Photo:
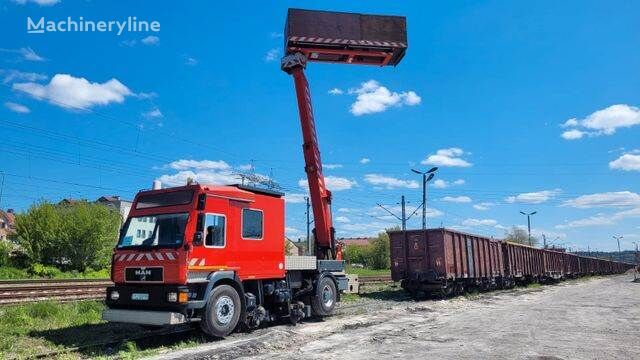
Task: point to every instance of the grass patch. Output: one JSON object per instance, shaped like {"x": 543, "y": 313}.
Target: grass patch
{"x": 74, "y": 330}
{"x": 48, "y": 272}
{"x": 533, "y": 286}
{"x": 366, "y": 271}
{"x": 349, "y": 297}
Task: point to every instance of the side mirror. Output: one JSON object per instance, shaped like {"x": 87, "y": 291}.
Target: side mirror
{"x": 198, "y": 237}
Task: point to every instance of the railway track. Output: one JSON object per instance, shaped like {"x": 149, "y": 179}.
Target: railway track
{"x": 19, "y": 291}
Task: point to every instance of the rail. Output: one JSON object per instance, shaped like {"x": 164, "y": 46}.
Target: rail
{"x": 23, "y": 291}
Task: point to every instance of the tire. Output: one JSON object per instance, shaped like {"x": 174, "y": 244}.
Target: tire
{"x": 326, "y": 297}
{"x": 222, "y": 312}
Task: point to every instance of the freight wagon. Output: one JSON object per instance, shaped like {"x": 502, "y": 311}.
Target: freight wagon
{"x": 442, "y": 261}
{"x": 445, "y": 262}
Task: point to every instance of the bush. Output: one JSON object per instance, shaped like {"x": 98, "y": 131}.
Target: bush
{"x": 44, "y": 271}
{"x": 5, "y": 253}
{"x": 373, "y": 256}
{"x": 77, "y": 237}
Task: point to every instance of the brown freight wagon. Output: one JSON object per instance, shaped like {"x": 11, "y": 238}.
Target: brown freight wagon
{"x": 553, "y": 265}
{"x": 571, "y": 265}
{"x": 522, "y": 263}
{"x": 443, "y": 261}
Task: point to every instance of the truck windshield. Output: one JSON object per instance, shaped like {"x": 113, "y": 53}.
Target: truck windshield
{"x": 166, "y": 230}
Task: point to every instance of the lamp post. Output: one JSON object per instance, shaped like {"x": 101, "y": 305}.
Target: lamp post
{"x": 528, "y": 215}
{"x": 618, "y": 238}
{"x": 426, "y": 177}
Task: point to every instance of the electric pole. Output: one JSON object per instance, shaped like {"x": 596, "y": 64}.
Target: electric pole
{"x": 402, "y": 219}
{"x": 404, "y": 214}
{"x": 426, "y": 177}
{"x": 618, "y": 238}
{"x": 528, "y": 215}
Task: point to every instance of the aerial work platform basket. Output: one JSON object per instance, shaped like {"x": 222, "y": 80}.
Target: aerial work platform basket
{"x": 327, "y": 36}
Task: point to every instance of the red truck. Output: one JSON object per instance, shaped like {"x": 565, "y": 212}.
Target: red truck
{"x": 215, "y": 254}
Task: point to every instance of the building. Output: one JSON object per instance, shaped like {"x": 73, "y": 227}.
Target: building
{"x": 7, "y": 224}
{"x": 115, "y": 202}
{"x": 359, "y": 241}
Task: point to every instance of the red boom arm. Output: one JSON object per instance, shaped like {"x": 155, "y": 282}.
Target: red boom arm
{"x": 294, "y": 65}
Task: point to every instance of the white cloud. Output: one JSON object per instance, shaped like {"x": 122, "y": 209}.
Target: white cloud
{"x": 30, "y": 55}
{"x": 627, "y": 162}
{"x": 272, "y": 55}
{"x": 447, "y": 157}
{"x": 371, "y": 97}
{"x": 292, "y": 232}
{"x": 607, "y": 199}
{"x": 26, "y": 53}
{"x": 602, "y": 122}
{"x": 336, "y": 91}
{"x": 573, "y": 134}
{"x": 602, "y": 219}
{"x": 457, "y": 199}
{"x": 295, "y": 198}
{"x": 39, "y": 2}
{"x": 68, "y": 92}
{"x": 9, "y": 76}
{"x": 534, "y": 197}
{"x": 154, "y": 113}
{"x": 479, "y": 222}
{"x": 151, "y": 40}
{"x": 199, "y": 165}
{"x": 191, "y": 61}
{"x": 18, "y": 108}
{"x": 390, "y": 182}
{"x": 331, "y": 166}
{"x": 443, "y": 184}
{"x": 440, "y": 184}
{"x": 591, "y": 221}
{"x": 365, "y": 161}
{"x": 202, "y": 177}
{"x": 483, "y": 206}
{"x": 333, "y": 183}
{"x": 343, "y": 219}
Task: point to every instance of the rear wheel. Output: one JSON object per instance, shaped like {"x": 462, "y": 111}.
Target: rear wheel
{"x": 222, "y": 312}
{"x": 326, "y": 297}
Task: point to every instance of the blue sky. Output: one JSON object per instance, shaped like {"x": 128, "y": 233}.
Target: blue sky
{"x": 523, "y": 106}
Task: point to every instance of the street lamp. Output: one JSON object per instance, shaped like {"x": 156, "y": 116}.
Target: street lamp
{"x": 425, "y": 180}
{"x": 618, "y": 238}
{"x": 529, "y": 223}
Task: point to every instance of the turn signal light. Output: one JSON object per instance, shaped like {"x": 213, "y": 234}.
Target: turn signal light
{"x": 183, "y": 297}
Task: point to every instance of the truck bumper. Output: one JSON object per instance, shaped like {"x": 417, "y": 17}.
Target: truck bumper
{"x": 143, "y": 317}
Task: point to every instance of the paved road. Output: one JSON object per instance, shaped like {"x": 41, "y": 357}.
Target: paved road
{"x": 587, "y": 319}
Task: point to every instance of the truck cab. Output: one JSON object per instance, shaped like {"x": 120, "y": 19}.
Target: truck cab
{"x": 215, "y": 255}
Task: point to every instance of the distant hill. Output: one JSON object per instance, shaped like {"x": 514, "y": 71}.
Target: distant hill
{"x": 625, "y": 256}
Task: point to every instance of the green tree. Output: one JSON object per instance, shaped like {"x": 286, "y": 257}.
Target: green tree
{"x": 520, "y": 236}
{"x": 90, "y": 231}
{"x": 75, "y": 236}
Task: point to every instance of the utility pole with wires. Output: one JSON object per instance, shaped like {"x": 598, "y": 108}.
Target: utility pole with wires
{"x": 618, "y": 238}
{"x": 426, "y": 177}
{"x": 404, "y": 214}
{"x": 544, "y": 240}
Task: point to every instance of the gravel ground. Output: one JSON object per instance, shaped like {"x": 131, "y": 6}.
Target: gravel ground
{"x": 597, "y": 318}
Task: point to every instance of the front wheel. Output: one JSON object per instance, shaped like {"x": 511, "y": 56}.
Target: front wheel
{"x": 326, "y": 297}
{"x": 222, "y": 313}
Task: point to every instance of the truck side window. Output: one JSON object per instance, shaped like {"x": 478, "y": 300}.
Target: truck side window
{"x": 215, "y": 230}
{"x": 251, "y": 224}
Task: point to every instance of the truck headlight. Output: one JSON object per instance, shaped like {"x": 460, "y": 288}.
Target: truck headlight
{"x": 114, "y": 295}
{"x": 172, "y": 297}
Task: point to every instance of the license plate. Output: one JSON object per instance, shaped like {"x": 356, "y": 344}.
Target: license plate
{"x": 141, "y": 297}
